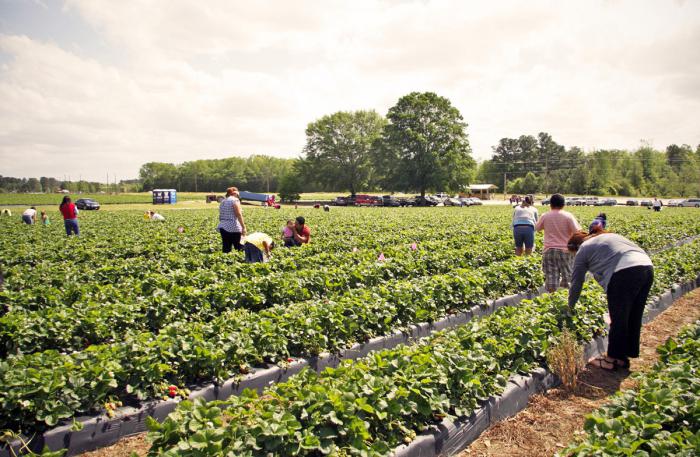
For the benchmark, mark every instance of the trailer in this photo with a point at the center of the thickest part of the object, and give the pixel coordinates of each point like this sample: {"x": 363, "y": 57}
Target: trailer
{"x": 267, "y": 199}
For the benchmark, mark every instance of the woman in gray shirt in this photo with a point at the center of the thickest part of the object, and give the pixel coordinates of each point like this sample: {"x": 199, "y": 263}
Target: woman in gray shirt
{"x": 626, "y": 273}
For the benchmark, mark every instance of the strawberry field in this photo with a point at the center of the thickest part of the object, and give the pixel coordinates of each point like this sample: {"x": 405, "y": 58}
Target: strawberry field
{"x": 133, "y": 307}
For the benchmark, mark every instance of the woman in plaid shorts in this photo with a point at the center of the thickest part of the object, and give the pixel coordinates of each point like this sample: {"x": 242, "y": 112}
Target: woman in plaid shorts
{"x": 558, "y": 226}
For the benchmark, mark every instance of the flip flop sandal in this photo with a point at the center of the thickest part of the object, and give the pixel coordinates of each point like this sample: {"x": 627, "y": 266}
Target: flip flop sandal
{"x": 605, "y": 364}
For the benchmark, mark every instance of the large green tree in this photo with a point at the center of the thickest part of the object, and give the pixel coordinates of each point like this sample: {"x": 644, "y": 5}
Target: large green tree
{"x": 425, "y": 145}
{"x": 339, "y": 149}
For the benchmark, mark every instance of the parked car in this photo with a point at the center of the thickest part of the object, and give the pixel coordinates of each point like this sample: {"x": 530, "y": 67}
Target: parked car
{"x": 691, "y": 202}
{"x": 363, "y": 200}
{"x": 375, "y": 200}
{"x": 590, "y": 201}
{"x": 441, "y": 195}
{"x": 406, "y": 201}
{"x": 423, "y": 201}
{"x": 466, "y": 201}
{"x": 646, "y": 203}
{"x": 632, "y": 202}
{"x": 388, "y": 200}
{"x": 87, "y": 203}
{"x": 449, "y": 201}
{"x": 575, "y": 201}
{"x": 674, "y": 202}
{"x": 476, "y": 201}
{"x": 545, "y": 201}
{"x": 340, "y": 201}
{"x": 606, "y": 202}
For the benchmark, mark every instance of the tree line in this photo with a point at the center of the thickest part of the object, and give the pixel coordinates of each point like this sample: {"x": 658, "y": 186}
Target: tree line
{"x": 531, "y": 164}
{"x": 421, "y": 145}
{"x": 46, "y": 185}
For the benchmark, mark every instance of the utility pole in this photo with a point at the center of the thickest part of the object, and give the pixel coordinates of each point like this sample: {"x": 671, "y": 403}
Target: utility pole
{"x": 504, "y": 185}
{"x": 195, "y": 182}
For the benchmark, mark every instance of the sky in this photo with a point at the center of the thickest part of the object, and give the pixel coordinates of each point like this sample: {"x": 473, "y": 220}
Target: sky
{"x": 96, "y": 88}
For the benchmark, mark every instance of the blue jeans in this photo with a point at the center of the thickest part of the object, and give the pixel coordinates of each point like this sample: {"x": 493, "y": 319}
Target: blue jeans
{"x": 524, "y": 235}
{"x": 71, "y": 226}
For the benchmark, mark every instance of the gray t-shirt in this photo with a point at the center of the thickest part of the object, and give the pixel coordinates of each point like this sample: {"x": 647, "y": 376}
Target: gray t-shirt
{"x": 600, "y": 255}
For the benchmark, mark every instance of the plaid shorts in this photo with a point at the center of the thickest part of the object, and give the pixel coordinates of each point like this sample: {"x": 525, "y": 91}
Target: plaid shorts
{"x": 557, "y": 266}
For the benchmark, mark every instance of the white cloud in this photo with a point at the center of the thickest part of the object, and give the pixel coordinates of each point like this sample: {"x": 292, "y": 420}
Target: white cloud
{"x": 217, "y": 78}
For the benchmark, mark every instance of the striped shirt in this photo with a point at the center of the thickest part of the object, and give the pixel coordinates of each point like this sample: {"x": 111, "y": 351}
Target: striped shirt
{"x": 227, "y": 217}
{"x": 558, "y": 226}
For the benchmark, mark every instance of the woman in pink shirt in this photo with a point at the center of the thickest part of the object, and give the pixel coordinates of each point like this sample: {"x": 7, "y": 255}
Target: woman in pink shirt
{"x": 558, "y": 226}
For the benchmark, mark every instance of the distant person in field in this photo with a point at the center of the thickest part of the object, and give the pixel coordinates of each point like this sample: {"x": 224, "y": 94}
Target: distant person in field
{"x": 302, "y": 234}
{"x": 657, "y": 204}
{"x": 231, "y": 225}
{"x": 599, "y": 224}
{"x": 626, "y": 273}
{"x": 558, "y": 226}
{"x": 288, "y": 232}
{"x": 524, "y": 219}
{"x": 258, "y": 247}
{"x": 29, "y": 216}
{"x": 154, "y": 216}
{"x": 45, "y": 218}
{"x": 70, "y": 216}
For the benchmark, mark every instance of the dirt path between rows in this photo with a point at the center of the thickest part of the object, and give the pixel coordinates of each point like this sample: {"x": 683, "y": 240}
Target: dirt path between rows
{"x": 553, "y": 420}
{"x": 550, "y": 421}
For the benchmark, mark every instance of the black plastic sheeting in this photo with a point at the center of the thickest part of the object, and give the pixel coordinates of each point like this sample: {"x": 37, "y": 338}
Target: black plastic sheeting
{"x": 451, "y": 437}
{"x": 101, "y": 431}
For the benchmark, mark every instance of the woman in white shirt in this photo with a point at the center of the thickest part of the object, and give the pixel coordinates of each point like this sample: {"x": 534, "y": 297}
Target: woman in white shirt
{"x": 524, "y": 220}
{"x": 29, "y": 216}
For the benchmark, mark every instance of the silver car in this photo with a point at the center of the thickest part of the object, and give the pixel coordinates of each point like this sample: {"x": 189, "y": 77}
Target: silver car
{"x": 691, "y": 202}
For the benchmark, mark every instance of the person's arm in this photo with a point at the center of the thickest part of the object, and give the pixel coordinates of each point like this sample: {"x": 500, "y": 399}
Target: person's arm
{"x": 575, "y": 224}
{"x": 540, "y": 224}
{"x": 239, "y": 215}
{"x": 267, "y": 248}
{"x": 537, "y": 214}
{"x": 578, "y": 276}
{"x": 300, "y": 237}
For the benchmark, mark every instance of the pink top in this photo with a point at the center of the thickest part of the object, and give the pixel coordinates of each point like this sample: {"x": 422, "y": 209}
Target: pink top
{"x": 558, "y": 226}
{"x": 287, "y": 232}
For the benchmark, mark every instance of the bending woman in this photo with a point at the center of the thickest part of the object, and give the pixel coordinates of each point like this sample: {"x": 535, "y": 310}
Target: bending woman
{"x": 626, "y": 274}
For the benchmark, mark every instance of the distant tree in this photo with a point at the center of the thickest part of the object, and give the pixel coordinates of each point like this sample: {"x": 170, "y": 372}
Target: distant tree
{"x": 156, "y": 175}
{"x": 339, "y": 149}
{"x": 32, "y": 185}
{"x": 425, "y": 145}
{"x": 291, "y": 186}
{"x": 677, "y": 156}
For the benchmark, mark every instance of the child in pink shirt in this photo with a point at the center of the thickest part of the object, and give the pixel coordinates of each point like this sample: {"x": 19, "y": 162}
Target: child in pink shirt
{"x": 288, "y": 231}
{"x": 558, "y": 226}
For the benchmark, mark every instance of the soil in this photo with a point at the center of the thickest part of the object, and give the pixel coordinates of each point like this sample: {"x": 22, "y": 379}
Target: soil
{"x": 553, "y": 420}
